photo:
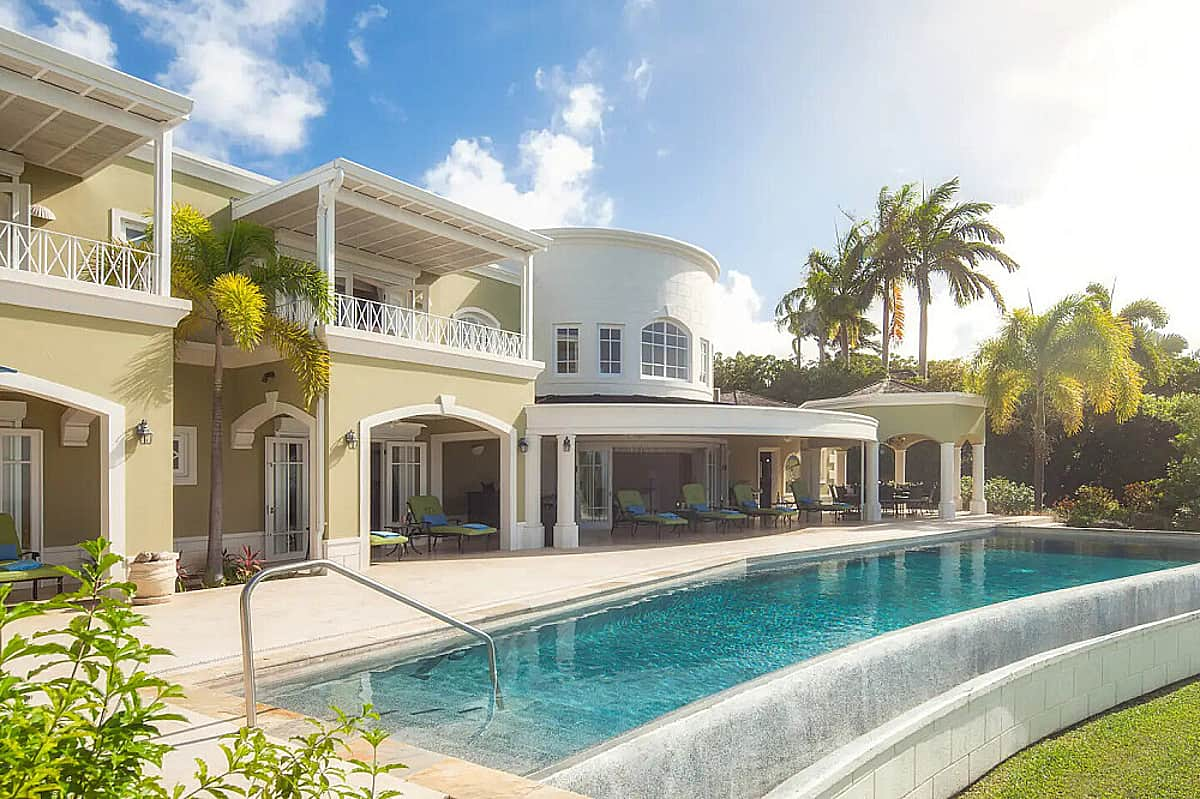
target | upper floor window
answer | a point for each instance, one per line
(610, 350)
(127, 227)
(705, 362)
(566, 349)
(664, 351)
(476, 316)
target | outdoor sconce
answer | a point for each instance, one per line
(523, 444)
(144, 434)
(566, 444)
(351, 439)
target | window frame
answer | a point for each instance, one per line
(601, 361)
(705, 362)
(117, 220)
(184, 474)
(561, 331)
(682, 368)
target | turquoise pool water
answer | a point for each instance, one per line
(572, 682)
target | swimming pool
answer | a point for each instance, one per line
(577, 680)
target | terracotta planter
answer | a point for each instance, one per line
(153, 574)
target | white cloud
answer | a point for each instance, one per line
(635, 10)
(1117, 199)
(363, 20)
(641, 75)
(552, 183)
(737, 309)
(70, 27)
(230, 58)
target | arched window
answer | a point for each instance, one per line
(476, 316)
(665, 351)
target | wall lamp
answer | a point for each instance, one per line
(566, 443)
(523, 444)
(144, 434)
(351, 439)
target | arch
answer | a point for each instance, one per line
(445, 405)
(676, 359)
(112, 433)
(488, 319)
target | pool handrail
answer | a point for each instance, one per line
(248, 676)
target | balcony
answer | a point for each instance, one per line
(44, 252)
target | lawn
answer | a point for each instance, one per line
(1149, 750)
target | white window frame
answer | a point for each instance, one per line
(706, 362)
(184, 437)
(118, 218)
(619, 362)
(489, 319)
(560, 332)
(36, 486)
(681, 370)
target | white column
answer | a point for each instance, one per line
(901, 456)
(957, 476)
(946, 480)
(162, 212)
(566, 531)
(527, 307)
(873, 510)
(810, 464)
(532, 533)
(978, 500)
(840, 458)
(326, 240)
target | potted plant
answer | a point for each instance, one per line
(154, 575)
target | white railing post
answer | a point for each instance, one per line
(46, 252)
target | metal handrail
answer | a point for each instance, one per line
(251, 685)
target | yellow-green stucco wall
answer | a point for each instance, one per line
(450, 293)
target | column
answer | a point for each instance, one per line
(839, 467)
(326, 238)
(566, 531)
(527, 308)
(532, 534)
(978, 500)
(810, 463)
(162, 213)
(900, 454)
(957, 476)
(946, 480)
(873, 512)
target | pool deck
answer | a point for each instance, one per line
(307, 619)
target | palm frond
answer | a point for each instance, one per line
(241, 308)
(305, 354)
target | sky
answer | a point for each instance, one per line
(750, 129)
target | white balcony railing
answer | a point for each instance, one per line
(405, 323)
(46, 252)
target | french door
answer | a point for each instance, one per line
(404, 477)
(594, 473)
(287, 497)
(21, 483)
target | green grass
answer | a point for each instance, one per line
(1149, 750)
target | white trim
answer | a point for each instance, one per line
(632, 238)
(117, 217)
(374, 345)
(269, 443)
(389, 270)
(242, 431)
(578, 328)
(497, 272)
(209, 169)
(621, 342)
(200, 353)
(491, 320)
(186, 474)
(52, 293)
(912, 398)
(37, 490)
(112, 435)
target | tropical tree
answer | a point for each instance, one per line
(1053, 366)
(891, 256)
(953, 240)
(1153, 349)
(235, 279)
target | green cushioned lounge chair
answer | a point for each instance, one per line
(744, 494)
(385, 538)
(809, 505)
(427, 512)
(633, 510)
(698, 508)
(22, 566)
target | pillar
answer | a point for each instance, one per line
(162, 212)
(872, 512)
(839, 467)
(978, 478)
(957, 476)
(527, 308)
(566, 531)
(947, 504)
(810, 463)
(532, 535)
(901, 458)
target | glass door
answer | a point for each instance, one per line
(287, 497)
(405, 477)
(594, 472)
(21, 483)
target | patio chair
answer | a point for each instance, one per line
(810, 505)
(633, 510)
(743, 495)
(387, 538)
(426, 512)
(22, 566)
(698, 509)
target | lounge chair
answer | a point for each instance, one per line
(697, 507)
(22, 566)
(811, 505)
(426, 512)
(746, 503)
(386, 538)
(633, 509)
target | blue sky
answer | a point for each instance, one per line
(747, 128)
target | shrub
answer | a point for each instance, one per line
(1092, 506)
(241, 567)
(1006, 497)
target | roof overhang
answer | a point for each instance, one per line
(73, 115)
(640, 419)
(387, 218)
(915, 399)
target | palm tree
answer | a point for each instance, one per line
(891, 256)
(797, 314)
(1153, 349)
(234, 277)
(1076, 355)
(953, 240)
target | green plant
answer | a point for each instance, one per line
(1091, 506)
(1007, 497)
(241, 567)
(182, 575)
